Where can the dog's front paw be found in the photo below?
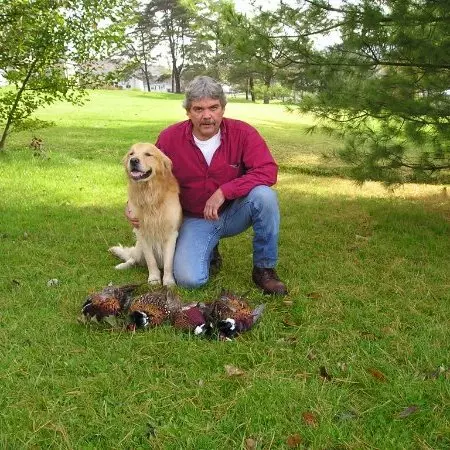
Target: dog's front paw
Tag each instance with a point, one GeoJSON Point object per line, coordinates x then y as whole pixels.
{"type": "Point", "coordinates": [154, 279]}
{"type": "Point", "coordinates": [168, 280]}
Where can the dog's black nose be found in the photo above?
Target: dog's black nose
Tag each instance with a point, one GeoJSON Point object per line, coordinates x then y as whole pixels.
{"type": "Point", "coordinates": [134, 162]}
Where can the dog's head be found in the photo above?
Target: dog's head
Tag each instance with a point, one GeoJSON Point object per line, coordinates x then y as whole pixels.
{"type": "Point", "coordinates": [144, 161]}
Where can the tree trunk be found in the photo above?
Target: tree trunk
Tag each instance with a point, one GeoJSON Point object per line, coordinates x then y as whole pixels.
{"type": "Point", "coordinates": [146, 75]}
{"type": "Point", "coordinates": [10, 118]}
{"type": "Point", "coordinates": [267, 80]}
{"type": "Point", "coordinates": [178, 81]}
{"type": "Point", "coordinates": [252, 88]}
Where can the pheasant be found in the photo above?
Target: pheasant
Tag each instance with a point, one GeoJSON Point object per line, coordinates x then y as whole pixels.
{"type": "Point", "coordinates": [191, 318]}
{"type": "Point", "coordinates": [152, 309]}
{"type": "Point", "coordinates": [231, 315]}
{"type": "Point", "coordinates": [110, 301]}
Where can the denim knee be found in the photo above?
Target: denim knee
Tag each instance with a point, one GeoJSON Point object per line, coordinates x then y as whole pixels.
{"type": "Point", "coordinates": [263, 197]}
{"type": "Point", "coordinates": [188, 278]}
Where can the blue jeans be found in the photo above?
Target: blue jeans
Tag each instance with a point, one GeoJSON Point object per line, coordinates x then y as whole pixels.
{"type": "Point", "coordinates": [198, 237]}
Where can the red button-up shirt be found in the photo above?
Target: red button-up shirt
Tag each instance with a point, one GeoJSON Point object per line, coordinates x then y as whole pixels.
{"type": "Point", "coordinates": [241, 162]}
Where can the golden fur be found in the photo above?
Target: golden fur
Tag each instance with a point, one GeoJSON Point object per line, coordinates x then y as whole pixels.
{"type": "Point", "coordinates": [153, 198]}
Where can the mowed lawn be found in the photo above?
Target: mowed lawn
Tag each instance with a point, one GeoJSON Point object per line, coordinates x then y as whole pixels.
{"type": "Point", "coordinates": [356, 357]}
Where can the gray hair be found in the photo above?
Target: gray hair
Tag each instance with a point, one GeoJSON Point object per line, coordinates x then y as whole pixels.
{"type": "Point", "coordinates": [203, 87]}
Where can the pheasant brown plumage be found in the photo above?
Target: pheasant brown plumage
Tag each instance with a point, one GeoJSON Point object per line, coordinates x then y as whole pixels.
{"type": "Point", "coordinates": [231, 315]}
{"type": "Point", "coordinates": [153, 308]}
{"type": "Point", "coordinates": [110, 301]}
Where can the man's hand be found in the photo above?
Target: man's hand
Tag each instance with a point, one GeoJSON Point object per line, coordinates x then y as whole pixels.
{"type": "Point", "coordinates": [133, 220]}
{"type": "Point", "coordinates": [211, 211]}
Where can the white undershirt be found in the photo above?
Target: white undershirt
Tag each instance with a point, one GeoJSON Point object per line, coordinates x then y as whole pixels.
{"type": "Point", "coordinates": [208, 147]}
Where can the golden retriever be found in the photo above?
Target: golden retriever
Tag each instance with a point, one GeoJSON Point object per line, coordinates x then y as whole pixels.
{"type": "Point", "coordinates": [153, 198]}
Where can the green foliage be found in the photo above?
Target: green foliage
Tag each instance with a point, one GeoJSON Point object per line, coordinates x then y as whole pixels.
{"type": "Point", "coordinates": [385, 87]}
{"type": "Point", "coordinates": [53, 50]}
{"type": "Point", "coordinates": [170, 20]}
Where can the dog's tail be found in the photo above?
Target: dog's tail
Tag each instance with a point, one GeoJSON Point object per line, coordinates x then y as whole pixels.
{"type": "Point", "coordinates": [130, 255]}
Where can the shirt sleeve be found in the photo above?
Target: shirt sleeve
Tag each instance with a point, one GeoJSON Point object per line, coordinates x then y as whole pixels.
{"type": "Point", "coordinates": [259, 168]}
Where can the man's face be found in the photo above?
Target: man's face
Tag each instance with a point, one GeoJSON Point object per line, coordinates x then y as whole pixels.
{"type": "Point", "coordinates": [206, 116]}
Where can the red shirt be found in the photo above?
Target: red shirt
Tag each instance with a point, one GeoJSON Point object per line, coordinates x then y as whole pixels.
{"type": "Point", "coordinates": [241, 162]}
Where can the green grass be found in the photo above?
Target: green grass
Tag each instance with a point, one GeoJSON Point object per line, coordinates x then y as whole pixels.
{"type": "Point", "coordinates": [367, 269]}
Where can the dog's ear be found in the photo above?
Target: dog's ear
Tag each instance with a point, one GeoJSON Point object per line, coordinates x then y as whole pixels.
{"type": "Point", "coordinates": [125, 158]}
{"type": "Point", "coordinates": [167, 163]}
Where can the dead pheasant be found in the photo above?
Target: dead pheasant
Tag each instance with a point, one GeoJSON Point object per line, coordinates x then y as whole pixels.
{"type": "Point", "coordinates": [231, 315]}
{"type": "Point", "coordinates": [153, 308]}
{"type": "Point", "coordinates": [191, 318]}
{"type": "Point", "coordinates": [110, 301]}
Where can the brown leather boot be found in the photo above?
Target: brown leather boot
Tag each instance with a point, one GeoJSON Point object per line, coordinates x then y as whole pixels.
{"type": "Point", "coordinates": [267, 279]}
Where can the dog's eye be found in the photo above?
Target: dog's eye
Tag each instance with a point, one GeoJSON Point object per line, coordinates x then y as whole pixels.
{"type": "Point", "coordinates": [147, 154]}
{"type": "Point", "coordinates": [132, 153]}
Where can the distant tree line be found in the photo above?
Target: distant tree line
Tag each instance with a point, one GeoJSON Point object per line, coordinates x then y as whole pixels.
{"type": "Point", "coordinates": [382, 87]}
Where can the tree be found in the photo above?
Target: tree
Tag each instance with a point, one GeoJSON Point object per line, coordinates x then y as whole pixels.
{"type": "Point", "coordinates": [383, 87]}
{"type": "Point", "coordinates": [173, 20]}
{"type": "Point", "coordinates": [143, 39]}
{"type": "Point", "coordinates": [49, 51]}
{"type": "Point", "coordinates": [207, 53]}
{"type": "Point", "coordinates": [255, 55]}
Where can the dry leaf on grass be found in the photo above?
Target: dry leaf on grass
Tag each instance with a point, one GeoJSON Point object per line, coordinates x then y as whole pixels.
{"type": "Point", "coordinates": [294, 441]}
{"type": "Point", "coordinates": [250, 444]}
{"type": "Point", "coordinates": [289, 323]}
{"type": "Point", "coordinates": [368, 335]}
{"type": "Point", "coordinates": [288, 302]}
{"type": "Point", "coordinates": [233, 371]}
{"type": "Point", "coordinates": [314, 295]}
{"type": "Point", "coordinates": [324, 374]}
{"type": "Point", "coordinates": [310, 419]}
{"type": "Point", "coordinates": [407, 412]}
{"type": "Point", "coordinates": [380, 376]}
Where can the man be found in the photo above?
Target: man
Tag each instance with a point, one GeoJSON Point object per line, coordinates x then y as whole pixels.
{"type": "Point", "coordinates": [224, 169]}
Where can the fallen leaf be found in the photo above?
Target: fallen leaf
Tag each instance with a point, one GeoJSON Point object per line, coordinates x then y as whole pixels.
{"type": "Point", "coordinates": [250, 444]}
{"type": "Point", "coordinates": [288, 302]}
{"type": "Point", "coordinates": [324, 374]}
{"type": "Point", "coordinates": [314, 295]}
{"type": "Point", "coordinates": [311, 355]}
{"type": "Point", "coordinates": [407, 412]}
{"type": "Point", "coordinates": [310, 419]}
{"type": "Point", "coordinates": [289, 323]}
{"type": "Point", "coordinates": [369, 336]}
{"type": "Point", "coordinates": [377, 374]}
{"type": "Point", "coordinates": [294, 441]}
{"type": "Point", "coordinates": [342, 366]}
{"type": "Point", "coordinates": [233, 371]}
{"type": "Point", "coordinates": [53, 282]}
{"type": "Point", "coordinates": [388, 331]}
